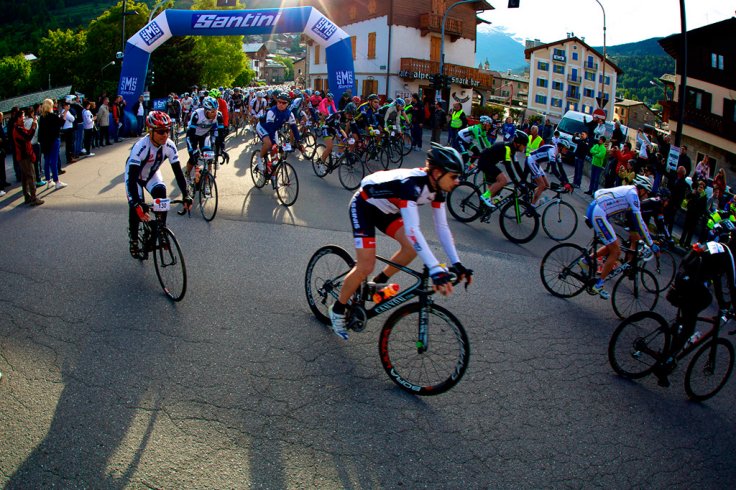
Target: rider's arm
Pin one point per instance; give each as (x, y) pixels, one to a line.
(294, 127)
(443, 231)
(410, 215)
(638, 220)
(131, 181)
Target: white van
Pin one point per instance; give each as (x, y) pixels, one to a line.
(574, 122)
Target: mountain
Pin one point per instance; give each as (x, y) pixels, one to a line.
(501, 50)
(648, 47)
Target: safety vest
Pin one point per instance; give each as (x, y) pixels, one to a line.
(533, 144)
(456, 122)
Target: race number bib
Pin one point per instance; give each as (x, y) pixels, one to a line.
(161, 205)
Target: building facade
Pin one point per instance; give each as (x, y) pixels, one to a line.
(709, 123)
(634, 114)
(509, 88)
(566, 75)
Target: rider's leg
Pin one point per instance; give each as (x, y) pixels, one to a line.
(614, 251)
(365, 262)
(542, 185)
(329, 144)
(403, 256)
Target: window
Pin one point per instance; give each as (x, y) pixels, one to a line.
(590, 76)
(318, 84)
(559, 69)
(587, 109)
(608, 79)
(542, 82)
(369, 87)
(589, 92)
(558, 86)
(574, 55)
(716, 61)
(572, 106)
(316, 55)
(353, 43)
(555, 102)
(371, 45)
(542, 65)
(559, 52)
(698, 99)
(435, 44)
(729, 110)
(540, 99)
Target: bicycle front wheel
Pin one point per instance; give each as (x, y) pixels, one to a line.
(463, 202)
(325, 274)
(208, 197)
(310, 145)
(664, 268)
(170, 267)
(559, 221)
(638, 344)
(633, 294)
(709, 370)
(519, 221)
(406, 144)
(319, 167)
(424, 364)
(561, 272)
(288, 184)
(350, 171)
(259, 180)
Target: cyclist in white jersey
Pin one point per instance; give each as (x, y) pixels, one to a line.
(609, 202)
(258, 106)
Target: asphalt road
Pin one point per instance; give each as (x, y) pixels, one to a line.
(108, 384)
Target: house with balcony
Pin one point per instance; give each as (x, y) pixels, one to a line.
(396, 46)
(569, 75)
(709, 123)
(634, 113)
(509, 88)
(257, 54)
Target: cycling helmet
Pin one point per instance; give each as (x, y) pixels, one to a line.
(316, 92)
(350, 109)
(158, 120)
(486, 120)
(563, 143)
(297, 93)
(308, 91)
(186, 94)
(372, 97)
(269, 92)
(209, 103)
(283, 96)
(520, 138)
(400, 102)
(236, 89)
(329, 95)
(642, 182)
(445, 157)
(214, 93)
(356, 100)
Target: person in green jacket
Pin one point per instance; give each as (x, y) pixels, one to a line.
(599, 153)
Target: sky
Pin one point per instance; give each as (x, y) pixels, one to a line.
(626, 20)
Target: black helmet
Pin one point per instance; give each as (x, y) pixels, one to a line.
(350, 109)
(283, 96)
(521, 138)
(445, 157)
(372, 97)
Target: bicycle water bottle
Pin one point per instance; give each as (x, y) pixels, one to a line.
(197, 174)
(694, 338)
(385, 293)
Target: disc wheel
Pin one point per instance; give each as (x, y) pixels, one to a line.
(561, 272)
(519, 223)
(634, 294)
(350, 171)
(287, 184)
(709, 369)
(208, 199)
(559, 221)
(638, 344)
(323, 279)
(170, 267)
(464, 202)
(259, 180)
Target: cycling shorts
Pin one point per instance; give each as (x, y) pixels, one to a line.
(156, 180)
(598, 218)
(365, 218)
(262, 133)
(533, 168)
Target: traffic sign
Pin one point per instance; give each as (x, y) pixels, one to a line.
(599, 113)
(601, 102)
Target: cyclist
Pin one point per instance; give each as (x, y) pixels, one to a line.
(237, 103)
(271, 122)
(186, 108)
(225, 130)
(143, 170)
(204, 126)
(393, 114)
(551, 155)
(333, 129)
(388, 200)
(501, 153)
(367, 116)
(706, 264)
(475, 138)
(609, 202)
(174, 109)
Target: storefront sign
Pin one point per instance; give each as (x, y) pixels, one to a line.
(418, 75)
(458, 99)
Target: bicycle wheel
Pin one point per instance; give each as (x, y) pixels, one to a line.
(350, 171)
(559, 221)
(664, 269)
(385, 156)
(319, 167)
(631, 295)
(371, 161)
(638, 344)
(287, 184)
(259, 180)
(519, 223)
(208, 197)
(424, 366)
(325, 273)
(310, 145)
(397, 155)
(709, 370)
(406, 144)
(561, 272)
(170, 267)
(464, 202)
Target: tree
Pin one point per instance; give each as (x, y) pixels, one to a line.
(245, 78)
(289, 75)
(16, 73)
(60, 54)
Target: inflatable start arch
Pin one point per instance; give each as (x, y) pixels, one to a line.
(307, 20)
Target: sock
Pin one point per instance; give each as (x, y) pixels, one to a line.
(487, 194)
(381, 278)
(599, 283)
(338, 308)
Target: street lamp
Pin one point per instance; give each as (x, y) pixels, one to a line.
(154, 9)
(442, 42)
(103, 68)
(601, 102)
(125, 14)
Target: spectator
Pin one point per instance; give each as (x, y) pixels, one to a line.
(417, 121)
(89, 124)
(439, 118)
(77, 110)
(581, 152)
(509, 130)
(103, 119)
(547, 130)
(719, 188)
(11, 142)
(697, 204)
(625, 173)
(49, 134)
(679, 188)
(702, 169)
(617, 137)
(30, 117)
(139, 109)
(3, 143)
(535, 141)
(458, 121)
(67, 131)
(24, 153)
(598, 163)
(684, 160)
(344, 100)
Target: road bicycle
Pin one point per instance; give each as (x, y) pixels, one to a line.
(518, 220)
(349, 169)
(202, 185)
(568, 269)
(642, 344)
(175, 130)
(160, 241)
(308, 140)
(422, 346)
(277, 170)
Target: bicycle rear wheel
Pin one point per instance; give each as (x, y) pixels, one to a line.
(559, 221)
(631, 295)
(406, 144)
(310, 145)
(170, 267)
(638, 344)
(259, 180)
(424, 366)
(464, 203)
(372, 161)
(709, 370)
(664, 268)
(325, 274)
(288, 184)
(208, 199)
(319, 167)
(519, 221)
(350, 171)
(561, 272)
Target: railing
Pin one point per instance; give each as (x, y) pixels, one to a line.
(433, 23)
(413, 68)
(573, 95)
(573, 79)
(706, 121)
(590, 66)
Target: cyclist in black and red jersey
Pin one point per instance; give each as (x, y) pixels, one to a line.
(388, 200)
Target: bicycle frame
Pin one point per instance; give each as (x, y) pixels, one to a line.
(712, 333)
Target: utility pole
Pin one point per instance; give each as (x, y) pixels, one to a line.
(602, 100)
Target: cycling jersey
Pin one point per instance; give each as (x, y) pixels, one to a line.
(333, 124)
(489, 159)
(544, 154)
(609, 202)
(391, 116)
(237, 102)
(388, 200)
(199, 125)
(257, 106)
(473, 137)
(143, 168)
(272, 121)
(366, 116)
